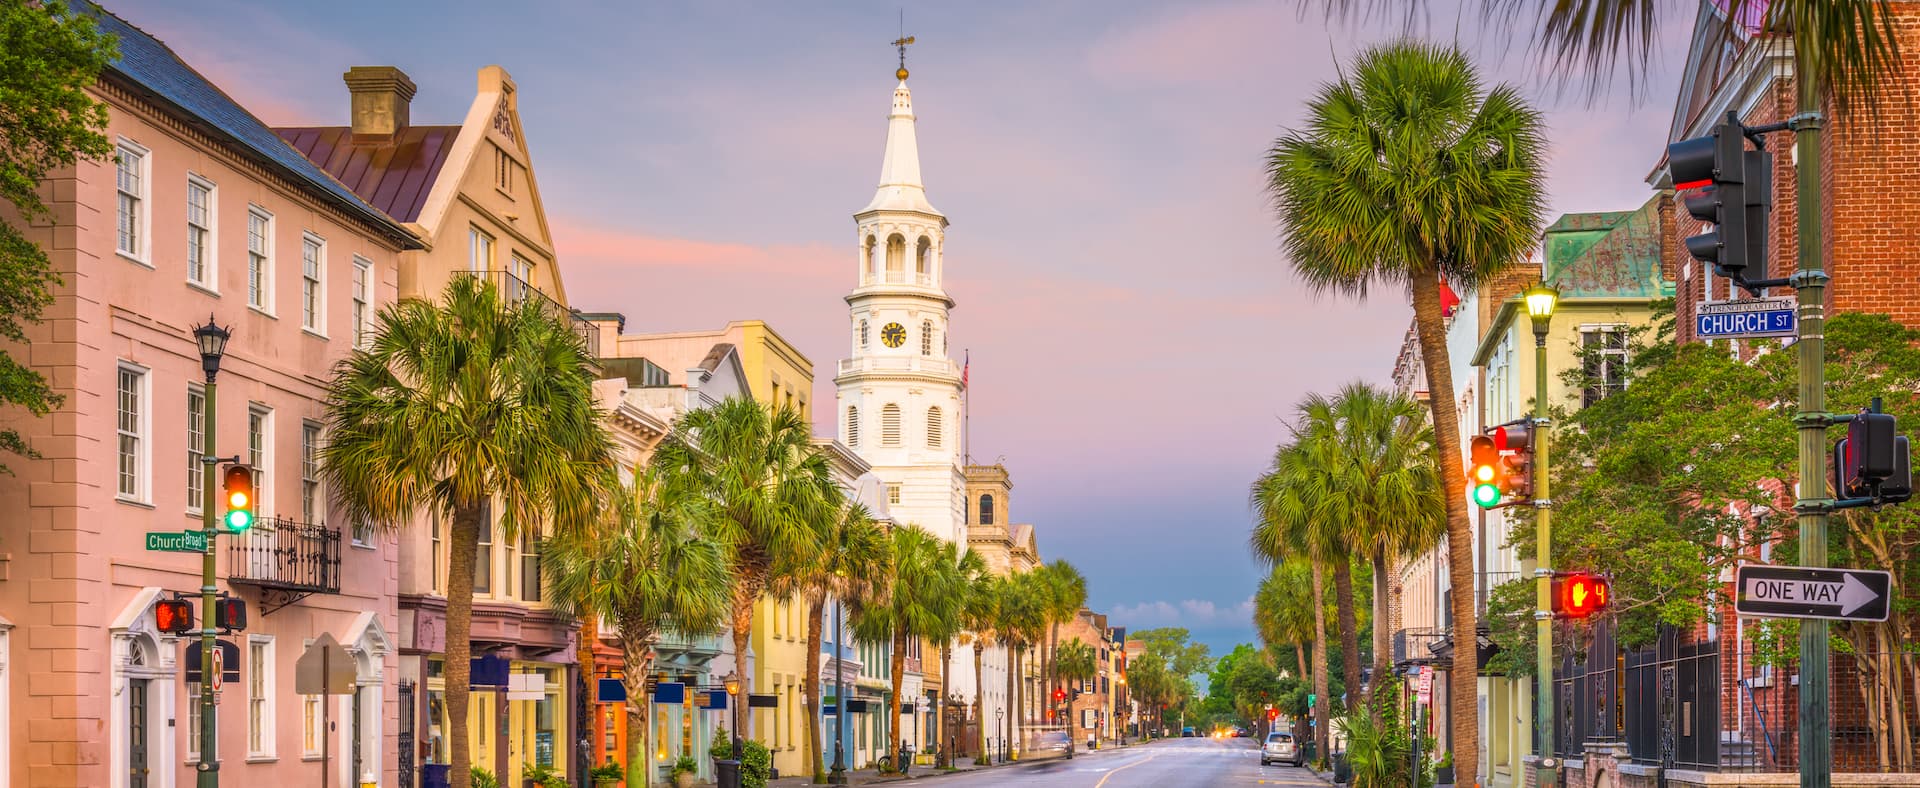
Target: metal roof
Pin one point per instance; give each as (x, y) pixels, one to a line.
(395, 173)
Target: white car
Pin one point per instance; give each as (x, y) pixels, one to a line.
(1280, 747)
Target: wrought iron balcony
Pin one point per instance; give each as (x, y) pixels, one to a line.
(286, 560)
(515, 290)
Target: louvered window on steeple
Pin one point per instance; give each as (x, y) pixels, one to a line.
(853, 426)
(936, 427)
(923, 261)
(926, 338)
(896, 259)
(890, 425)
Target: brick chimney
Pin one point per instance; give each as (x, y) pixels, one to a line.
(381, 98)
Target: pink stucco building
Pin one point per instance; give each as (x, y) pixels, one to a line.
(206, 211)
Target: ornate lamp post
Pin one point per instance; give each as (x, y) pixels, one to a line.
(1541, 300)
(212, 341)
(838, 774)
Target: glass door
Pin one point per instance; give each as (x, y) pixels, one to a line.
(137, 733)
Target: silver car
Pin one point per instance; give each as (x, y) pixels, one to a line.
(1280, 747)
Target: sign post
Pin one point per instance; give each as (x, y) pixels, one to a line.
(1748, 318)
(1811, 592)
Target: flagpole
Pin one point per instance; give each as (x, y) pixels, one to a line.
(966, 410)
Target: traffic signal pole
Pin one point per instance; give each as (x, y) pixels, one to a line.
(1816, 741)
(1543, 563)
(209, 766)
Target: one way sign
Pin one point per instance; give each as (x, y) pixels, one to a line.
(1806, 592)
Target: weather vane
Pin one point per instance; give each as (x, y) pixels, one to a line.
(901, 44)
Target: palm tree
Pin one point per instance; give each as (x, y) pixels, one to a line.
(850, 570)
(1073, 665)
(918, 605)
(454, 408)
(1287, 528)
(774, 492)
(1022, 610)
(1066, 593)
(981, 612)
(1283, 610)
(1411, 172)
(959, 567)
(655, 567)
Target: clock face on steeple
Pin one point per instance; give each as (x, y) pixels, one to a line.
(893, 335)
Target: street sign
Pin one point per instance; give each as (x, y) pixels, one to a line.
(177, 541)
(324, 669)
(1806, 592)
(1747, 318)
(1425, 685)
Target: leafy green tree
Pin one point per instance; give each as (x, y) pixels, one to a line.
(50, 55)
(1066, 593)
(1287, 528)
(918, 604)
(1409, 173)
(957, 570)
(653, 568)
(774, 491)
(849, 569)
(459, 407)
(1174, 646)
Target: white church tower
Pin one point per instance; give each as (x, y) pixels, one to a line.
(900, 393)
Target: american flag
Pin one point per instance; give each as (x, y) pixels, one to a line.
(965, 366)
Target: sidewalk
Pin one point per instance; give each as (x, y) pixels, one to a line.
(961, 765)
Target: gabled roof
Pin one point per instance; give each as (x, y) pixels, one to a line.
(394, 174)
(149, 69)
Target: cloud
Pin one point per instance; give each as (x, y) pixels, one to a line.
(1190, 613)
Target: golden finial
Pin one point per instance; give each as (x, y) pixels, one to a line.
(901, 44)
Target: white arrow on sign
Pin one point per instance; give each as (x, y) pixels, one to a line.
(1850, 594)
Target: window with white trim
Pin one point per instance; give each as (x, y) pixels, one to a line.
(260, 456)
(483, 553)
(893, 493)
(1603, 358)
(200, 262)
(863, 335)
(479, 250)
(362, 302)
(439, 556)
(926, 337)
(853, 426)
(260, 259)
(196, 441)
(260, 676)
(130, 182)
(131, 424)
(890, 425)
(313, 264)
(193, 722)
(936, 428)
(310, 501)
(310, 723)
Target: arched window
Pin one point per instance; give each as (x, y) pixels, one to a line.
(896, 258)
(870, 260)
(890, 425)
(853, 426)
(923, 261)
(986, 509)
(926, 337)
(936, 428)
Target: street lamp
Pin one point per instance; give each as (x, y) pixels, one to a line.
(1541, 300)
(212, 342)
(1000, 714)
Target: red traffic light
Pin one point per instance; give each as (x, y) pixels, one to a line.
(1273, 714)
(173, 616)
(1582, 595)
(1059, 695)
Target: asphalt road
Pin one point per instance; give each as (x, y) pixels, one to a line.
(1165, 763)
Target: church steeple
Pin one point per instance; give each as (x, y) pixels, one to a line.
(900, 187)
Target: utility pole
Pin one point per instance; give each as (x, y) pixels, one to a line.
(1816, 740)
(1541, 300)
(211, 340)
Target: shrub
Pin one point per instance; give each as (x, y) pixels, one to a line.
(756, 765)
(722, 747)
(607, 771)
(483, 778)
(686, 765)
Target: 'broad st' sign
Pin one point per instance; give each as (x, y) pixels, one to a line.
(1806, 592)
(1773, 316)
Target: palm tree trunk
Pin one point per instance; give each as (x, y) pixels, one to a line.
(1464, 705)
(940, 705)
(979, 710)
(1319, 710)
(1349, 631)
(1050, 667)
(1383, 624)
(635, 640)
(744, 595)
(1013, 700)
(899, 665)
(462, 547)
(810, 691)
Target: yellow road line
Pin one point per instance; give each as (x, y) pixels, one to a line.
(1109, 775)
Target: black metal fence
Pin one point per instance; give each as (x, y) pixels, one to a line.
(285, 554)
(515, 289)
(1693, 705)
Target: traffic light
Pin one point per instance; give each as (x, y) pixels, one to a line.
(230, 614)
(173, 616)
(1580, 594)
(1273, 714)
(1515, 444)
(1873, 460)
(239, 487)
(1483, 473)
(1730, 187)
(1059, 694)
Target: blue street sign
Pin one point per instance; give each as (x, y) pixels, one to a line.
(1774, 316)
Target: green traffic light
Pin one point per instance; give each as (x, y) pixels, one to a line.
(239, 520)
(1486, 495)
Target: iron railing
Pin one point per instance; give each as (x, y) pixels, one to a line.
(515, 290)
(286, 555)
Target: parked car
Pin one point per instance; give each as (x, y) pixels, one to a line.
(1187, 732)
(1280, 747)
(1050, 742)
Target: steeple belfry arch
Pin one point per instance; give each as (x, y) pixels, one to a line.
(900, 392)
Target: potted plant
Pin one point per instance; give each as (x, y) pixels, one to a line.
(606, 775)
(1443, 771)
(483, 778)
(538, 776)
(683, 771)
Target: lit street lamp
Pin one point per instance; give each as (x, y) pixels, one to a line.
(1541, 300)
(212, 341)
